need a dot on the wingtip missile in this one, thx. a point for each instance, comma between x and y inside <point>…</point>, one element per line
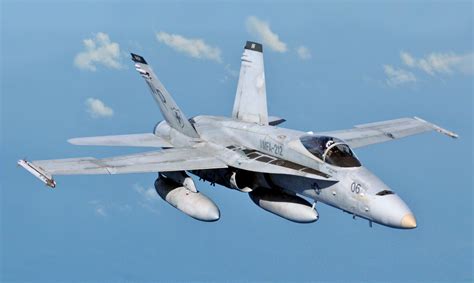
<point>38,173</point>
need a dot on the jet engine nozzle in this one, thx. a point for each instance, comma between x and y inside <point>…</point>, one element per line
<point>194,204</point>
<point>288,206</point>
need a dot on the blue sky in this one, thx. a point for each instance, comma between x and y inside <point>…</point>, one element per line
<point>328,66</point>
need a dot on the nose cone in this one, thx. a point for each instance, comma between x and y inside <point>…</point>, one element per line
<point>390,210</point>
<point>408,221</point>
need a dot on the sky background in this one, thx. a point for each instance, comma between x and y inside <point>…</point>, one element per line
<point>66,72</point>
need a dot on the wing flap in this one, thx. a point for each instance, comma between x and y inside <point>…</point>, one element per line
<point>133,140</point>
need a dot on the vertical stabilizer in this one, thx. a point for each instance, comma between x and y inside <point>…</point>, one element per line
<point>171,112</point>
<point>250,103</point>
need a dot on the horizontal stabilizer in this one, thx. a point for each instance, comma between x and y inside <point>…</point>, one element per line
<point>274,121</point>
<point>135,140</point>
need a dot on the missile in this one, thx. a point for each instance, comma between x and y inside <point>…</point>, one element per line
<point>288,206</point>
<point>194,204</point>
<point>38,173</point>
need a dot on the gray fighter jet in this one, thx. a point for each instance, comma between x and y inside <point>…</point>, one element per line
<point>280,169</point>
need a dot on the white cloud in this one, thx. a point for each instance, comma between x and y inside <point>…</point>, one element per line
<point>441,63</point>
<point>303,52</point>
<point>98,109</point>
<point>267,36</point>
<point>99,50</point>
<point>407,59</point>
<point>397,77</point>
<point>194,47</point>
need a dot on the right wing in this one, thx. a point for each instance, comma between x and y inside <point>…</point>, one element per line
<point>176,159</point>
<point>137,140</point>
<point>250,103</point>
<point>378,132</point>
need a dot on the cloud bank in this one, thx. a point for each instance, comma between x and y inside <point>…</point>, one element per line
<point>99,50</point>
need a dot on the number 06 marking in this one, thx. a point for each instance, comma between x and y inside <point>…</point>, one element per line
<point>355,188</point>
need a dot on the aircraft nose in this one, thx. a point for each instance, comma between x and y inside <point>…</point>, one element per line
<point>392,211</point>
<point>408,221</point>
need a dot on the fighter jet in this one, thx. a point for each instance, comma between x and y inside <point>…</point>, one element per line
<point>284,171</point>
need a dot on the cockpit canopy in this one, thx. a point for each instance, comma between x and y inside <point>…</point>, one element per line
<point>331,150</point>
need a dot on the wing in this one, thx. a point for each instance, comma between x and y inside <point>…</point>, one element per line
<point>137,140</point>
<point>250,103</point>
<point>367,134</point>
<point>153,161</point>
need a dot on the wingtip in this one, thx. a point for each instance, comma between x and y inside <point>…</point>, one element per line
<point>439,129</point>
<point>38,172</point>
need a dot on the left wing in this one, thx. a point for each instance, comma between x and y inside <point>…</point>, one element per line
<point>154,161</point>
<point>378,132</point>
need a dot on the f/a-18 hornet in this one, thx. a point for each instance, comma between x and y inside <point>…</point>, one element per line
<point>280,169</point>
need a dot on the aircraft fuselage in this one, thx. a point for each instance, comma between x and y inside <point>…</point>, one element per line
<point>352,189</point>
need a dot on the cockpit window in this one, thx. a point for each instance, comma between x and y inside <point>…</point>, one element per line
<point>341,155</point>
<point>385,192</point>
<point>331,150</point>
